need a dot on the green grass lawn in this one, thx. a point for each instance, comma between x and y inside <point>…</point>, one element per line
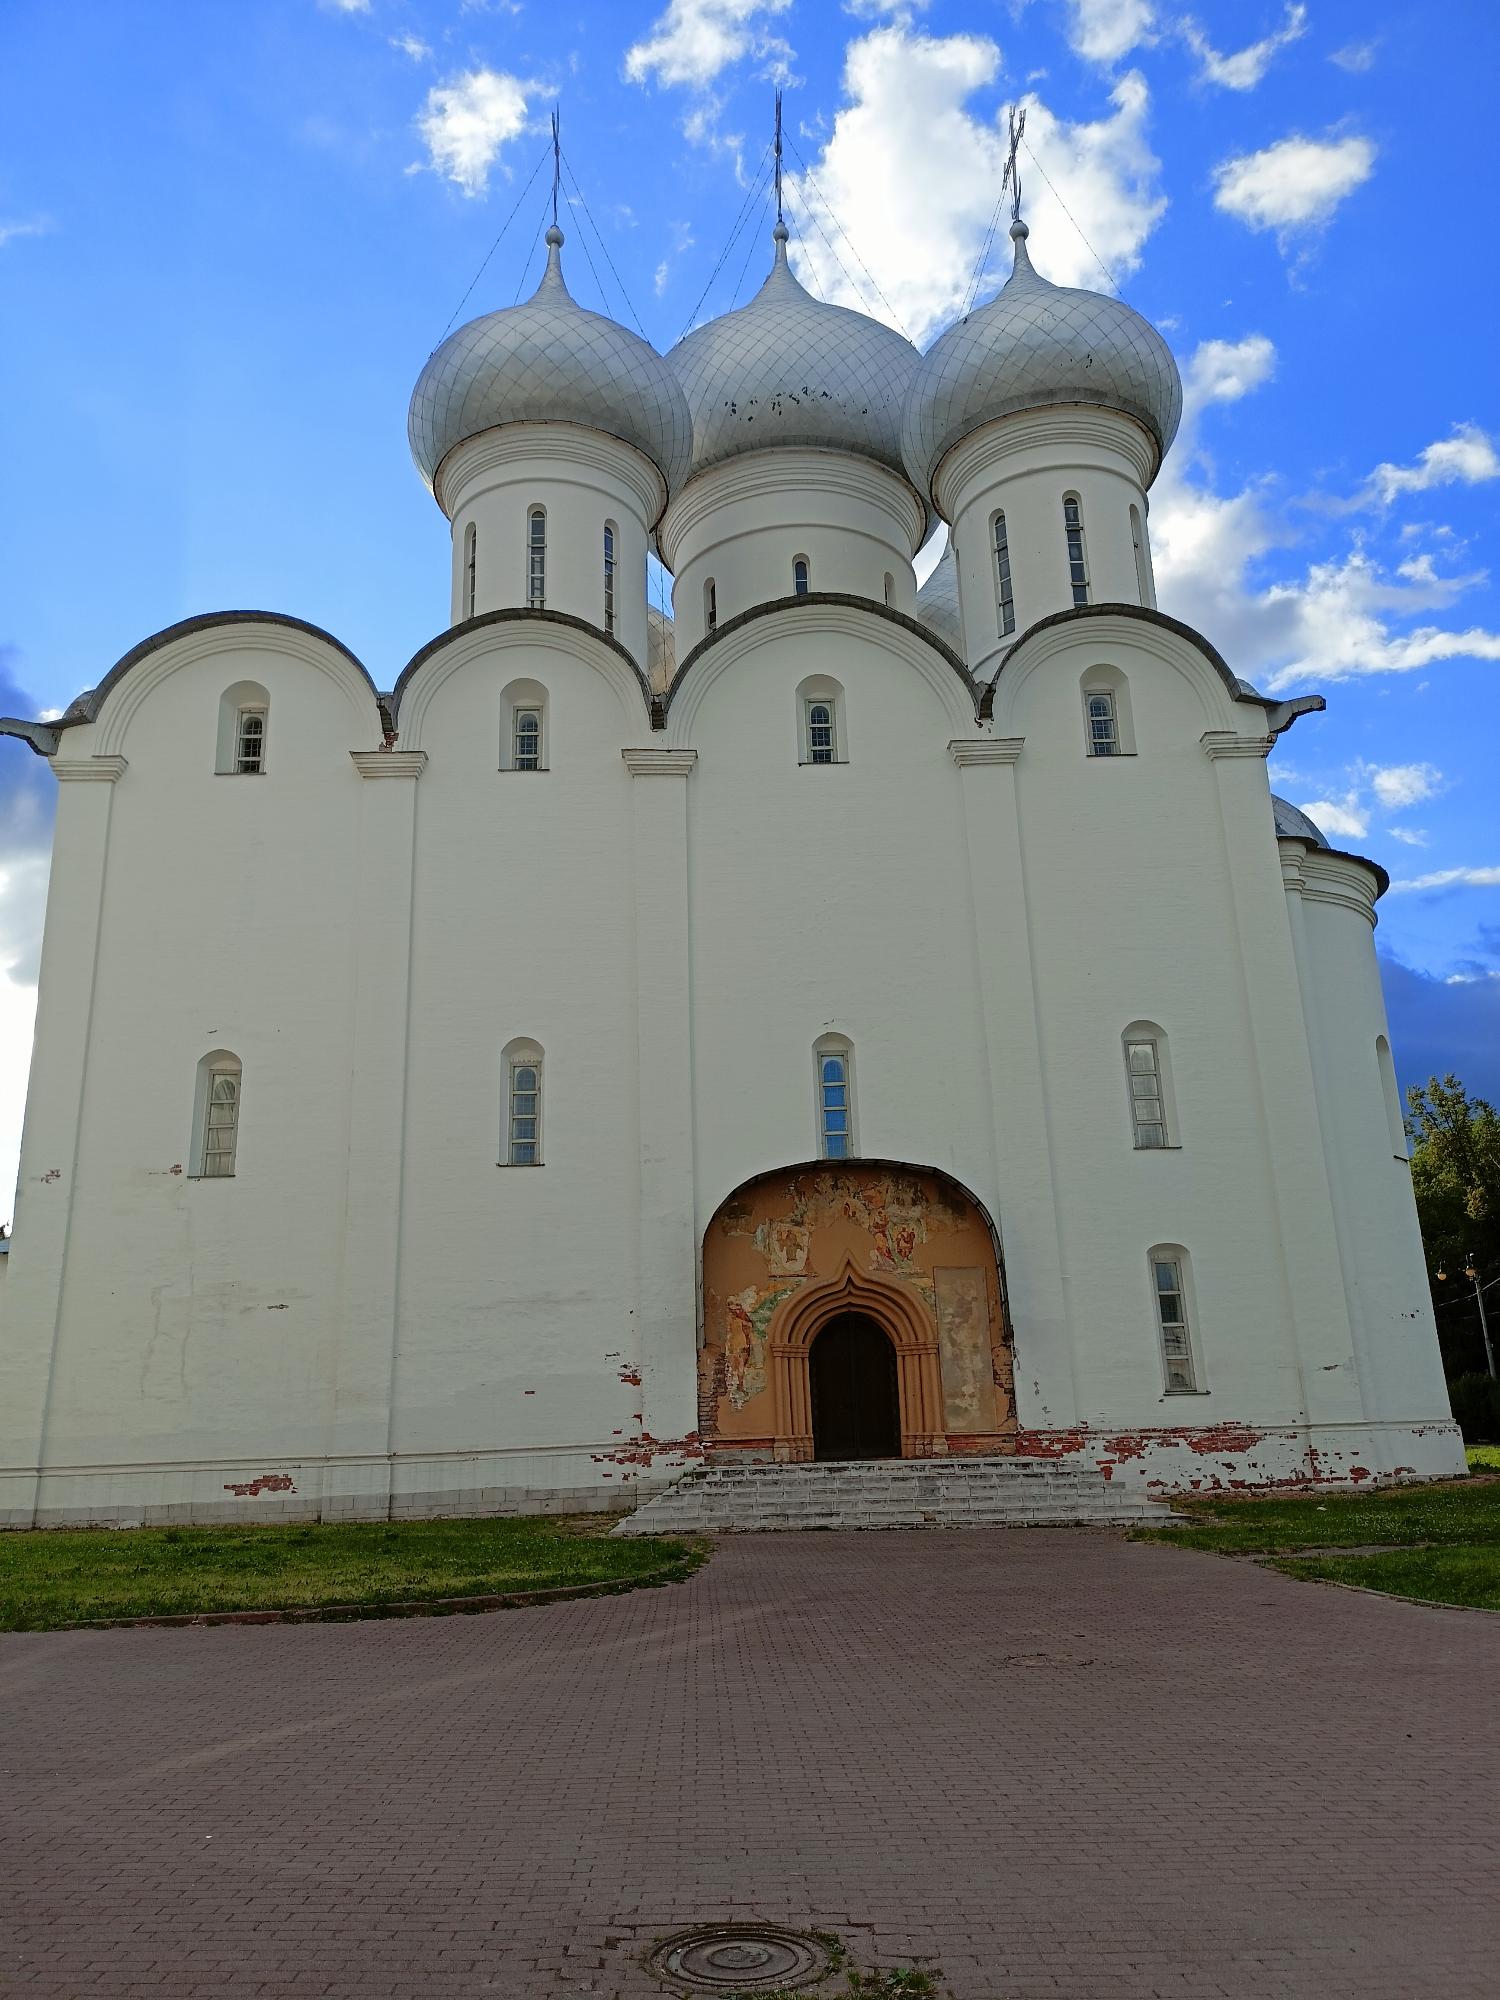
<point>1439,1544</point>
<point>63,1577</point>
<point>1483,1457</point>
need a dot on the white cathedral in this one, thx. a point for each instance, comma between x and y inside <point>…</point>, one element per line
<point>839,1021</point>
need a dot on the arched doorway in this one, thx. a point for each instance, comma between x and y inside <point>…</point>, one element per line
<point>856,1404</point>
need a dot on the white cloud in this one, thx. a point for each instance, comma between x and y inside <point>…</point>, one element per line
<point>1356,57</point>
<point>1343,817</point>
<point>411,45</point>
<point>346,6</point>
<point>1467,458</point>
<point>1103,31</point>
<point>1409,836</point>
<point>10,231</point>
<point>1452,878</point>
<point>1339,625</point>
<point>1404,784</point>
<point>1244,69</point>
<point>1221,371</point>
<point>1297,183</point>
<point>913,176</point>
<point>659,278</point>
<point>466,123</point>
<point>695,39</point>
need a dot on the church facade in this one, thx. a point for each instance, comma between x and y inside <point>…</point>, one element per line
<point>839,1020</point>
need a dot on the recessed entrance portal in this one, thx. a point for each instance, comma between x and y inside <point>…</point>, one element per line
<point>856,1405</point>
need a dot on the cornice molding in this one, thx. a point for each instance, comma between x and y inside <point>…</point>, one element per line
<point>780,473</point>
<point>1075,436</point>
<point>510,453</point>
<point>88,770</point>
<point>1225,743</point>
<point>986,750</point>
<point>651,762</point>
<point>389,763</point>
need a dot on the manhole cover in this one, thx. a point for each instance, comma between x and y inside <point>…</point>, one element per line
<point>739,1958</point>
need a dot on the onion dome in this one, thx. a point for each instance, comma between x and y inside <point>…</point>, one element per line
<point>788,370</point>
<point>937,603</point>
<point>1293,824</point>
<point>1033,345</point>
<point>549,362</point>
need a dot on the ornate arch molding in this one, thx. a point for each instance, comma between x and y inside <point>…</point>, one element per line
<point>491,631</point>
<point>906,1324</point>
<point>821,611</point>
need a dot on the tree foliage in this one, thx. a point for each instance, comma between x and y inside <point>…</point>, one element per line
<point>1455,1171</point>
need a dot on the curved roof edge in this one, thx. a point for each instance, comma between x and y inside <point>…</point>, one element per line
<point>1382,879</point>
<point>980,693</point>
<point>85,707</point>
<point>517,614</point>
<point>1280,715</point>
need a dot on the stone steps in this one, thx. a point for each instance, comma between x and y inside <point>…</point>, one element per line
<point>891,1493</point>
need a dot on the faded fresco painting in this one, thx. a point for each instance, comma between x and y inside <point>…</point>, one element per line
<point>900,1228</point>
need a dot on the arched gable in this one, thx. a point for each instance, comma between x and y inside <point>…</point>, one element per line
<point>499,632</point>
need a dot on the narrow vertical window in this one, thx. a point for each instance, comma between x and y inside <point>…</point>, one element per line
<point>835,1121</point>
<point>1147,1104</point>
<point>1004,595</point>
<point>1171,1313</point>
<point>820,732</point>
<point>526,746</point>
<point>536,558</point>
<point>800,575</point>
<point>890,591</point>
<point>471,566</point>
<point>217,1116</point>
<point>525,1125</point>
<point>250,741</point>
<point>1142,562</point>
<point>710,606</point>
<point>609,576</point>
<point>1104,724</point>
<point>1078,575</point>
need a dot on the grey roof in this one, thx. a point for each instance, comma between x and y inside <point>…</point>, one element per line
<point>788,370</point>
<point>937,603</point>
<point>549,361</point>
<point>1036,344</point>
<point>1294,824</point>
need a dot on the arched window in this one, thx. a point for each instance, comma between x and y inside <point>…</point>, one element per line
<point>1108,730</point>
<point>1392,1091</point>
<point>1170,1288</point>
<point>1004,595</point>
<point>471,568</point>
<point>1078,574</point>
<point>216,1116</point>
<point>523,727</point>
<point>244,712</point>
<point>1153,1113</point>
<point>800,576</point>
<point>710,606</point>
<point>820,708</point>
<point>521,1137</point>
<point>1142,560</point>
<point>833,1058</point>
<point>536,558</point>
<point>890,591</point>
<point>609,576</point>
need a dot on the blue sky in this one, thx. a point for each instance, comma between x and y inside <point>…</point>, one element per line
<point>229,236</point>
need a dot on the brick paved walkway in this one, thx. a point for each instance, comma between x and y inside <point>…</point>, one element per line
<point>1054,1763</point>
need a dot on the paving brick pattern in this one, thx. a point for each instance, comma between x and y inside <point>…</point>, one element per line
<point>1058,1765</point>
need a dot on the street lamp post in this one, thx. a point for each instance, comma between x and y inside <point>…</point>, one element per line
<point>1471,1272</point>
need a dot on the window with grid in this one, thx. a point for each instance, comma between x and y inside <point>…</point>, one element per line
<point>890,591</point>
<point>820,732</point>
<point>1078,575</point>
<point>1142,563</point>
<point>609,576</point>
<point>471,566</point>
<point>526,742</point>
<point>525,1143</point>
<point>835,1129</point>
<point>1005,596</point>
<point>1171,1312</point>
<point>536,559</point>
<point>221,1123</point>
<point>710,606</point>
<point>250,741</point>
<point>800,576</point>
<point>1104,724</point>
<point>1147,1103</point>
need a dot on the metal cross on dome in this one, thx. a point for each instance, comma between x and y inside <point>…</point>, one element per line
<point>778,156</point>
<point>556,164</point>
<point>1011,178</point>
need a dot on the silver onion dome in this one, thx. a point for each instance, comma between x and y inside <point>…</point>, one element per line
<point>549,361</point>
<point>1036,344</point>
<point>937,603</point>
<point>788,370</point>
<point>1293,824</point>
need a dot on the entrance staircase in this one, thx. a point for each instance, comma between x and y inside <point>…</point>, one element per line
<point>892,1493</point>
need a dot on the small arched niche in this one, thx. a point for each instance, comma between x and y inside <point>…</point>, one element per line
<point>524,731</point>
<point>244,726</point>
<point>821,721</point>
<point>1108,726</point>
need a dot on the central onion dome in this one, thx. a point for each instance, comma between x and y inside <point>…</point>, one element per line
<point>788,370</point>
<point>1033,345</point>
<point>549,362</point>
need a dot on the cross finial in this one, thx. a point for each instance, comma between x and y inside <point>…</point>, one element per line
<point>556,164</point>
<point>1011,178</point>
<point>778,156</point>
